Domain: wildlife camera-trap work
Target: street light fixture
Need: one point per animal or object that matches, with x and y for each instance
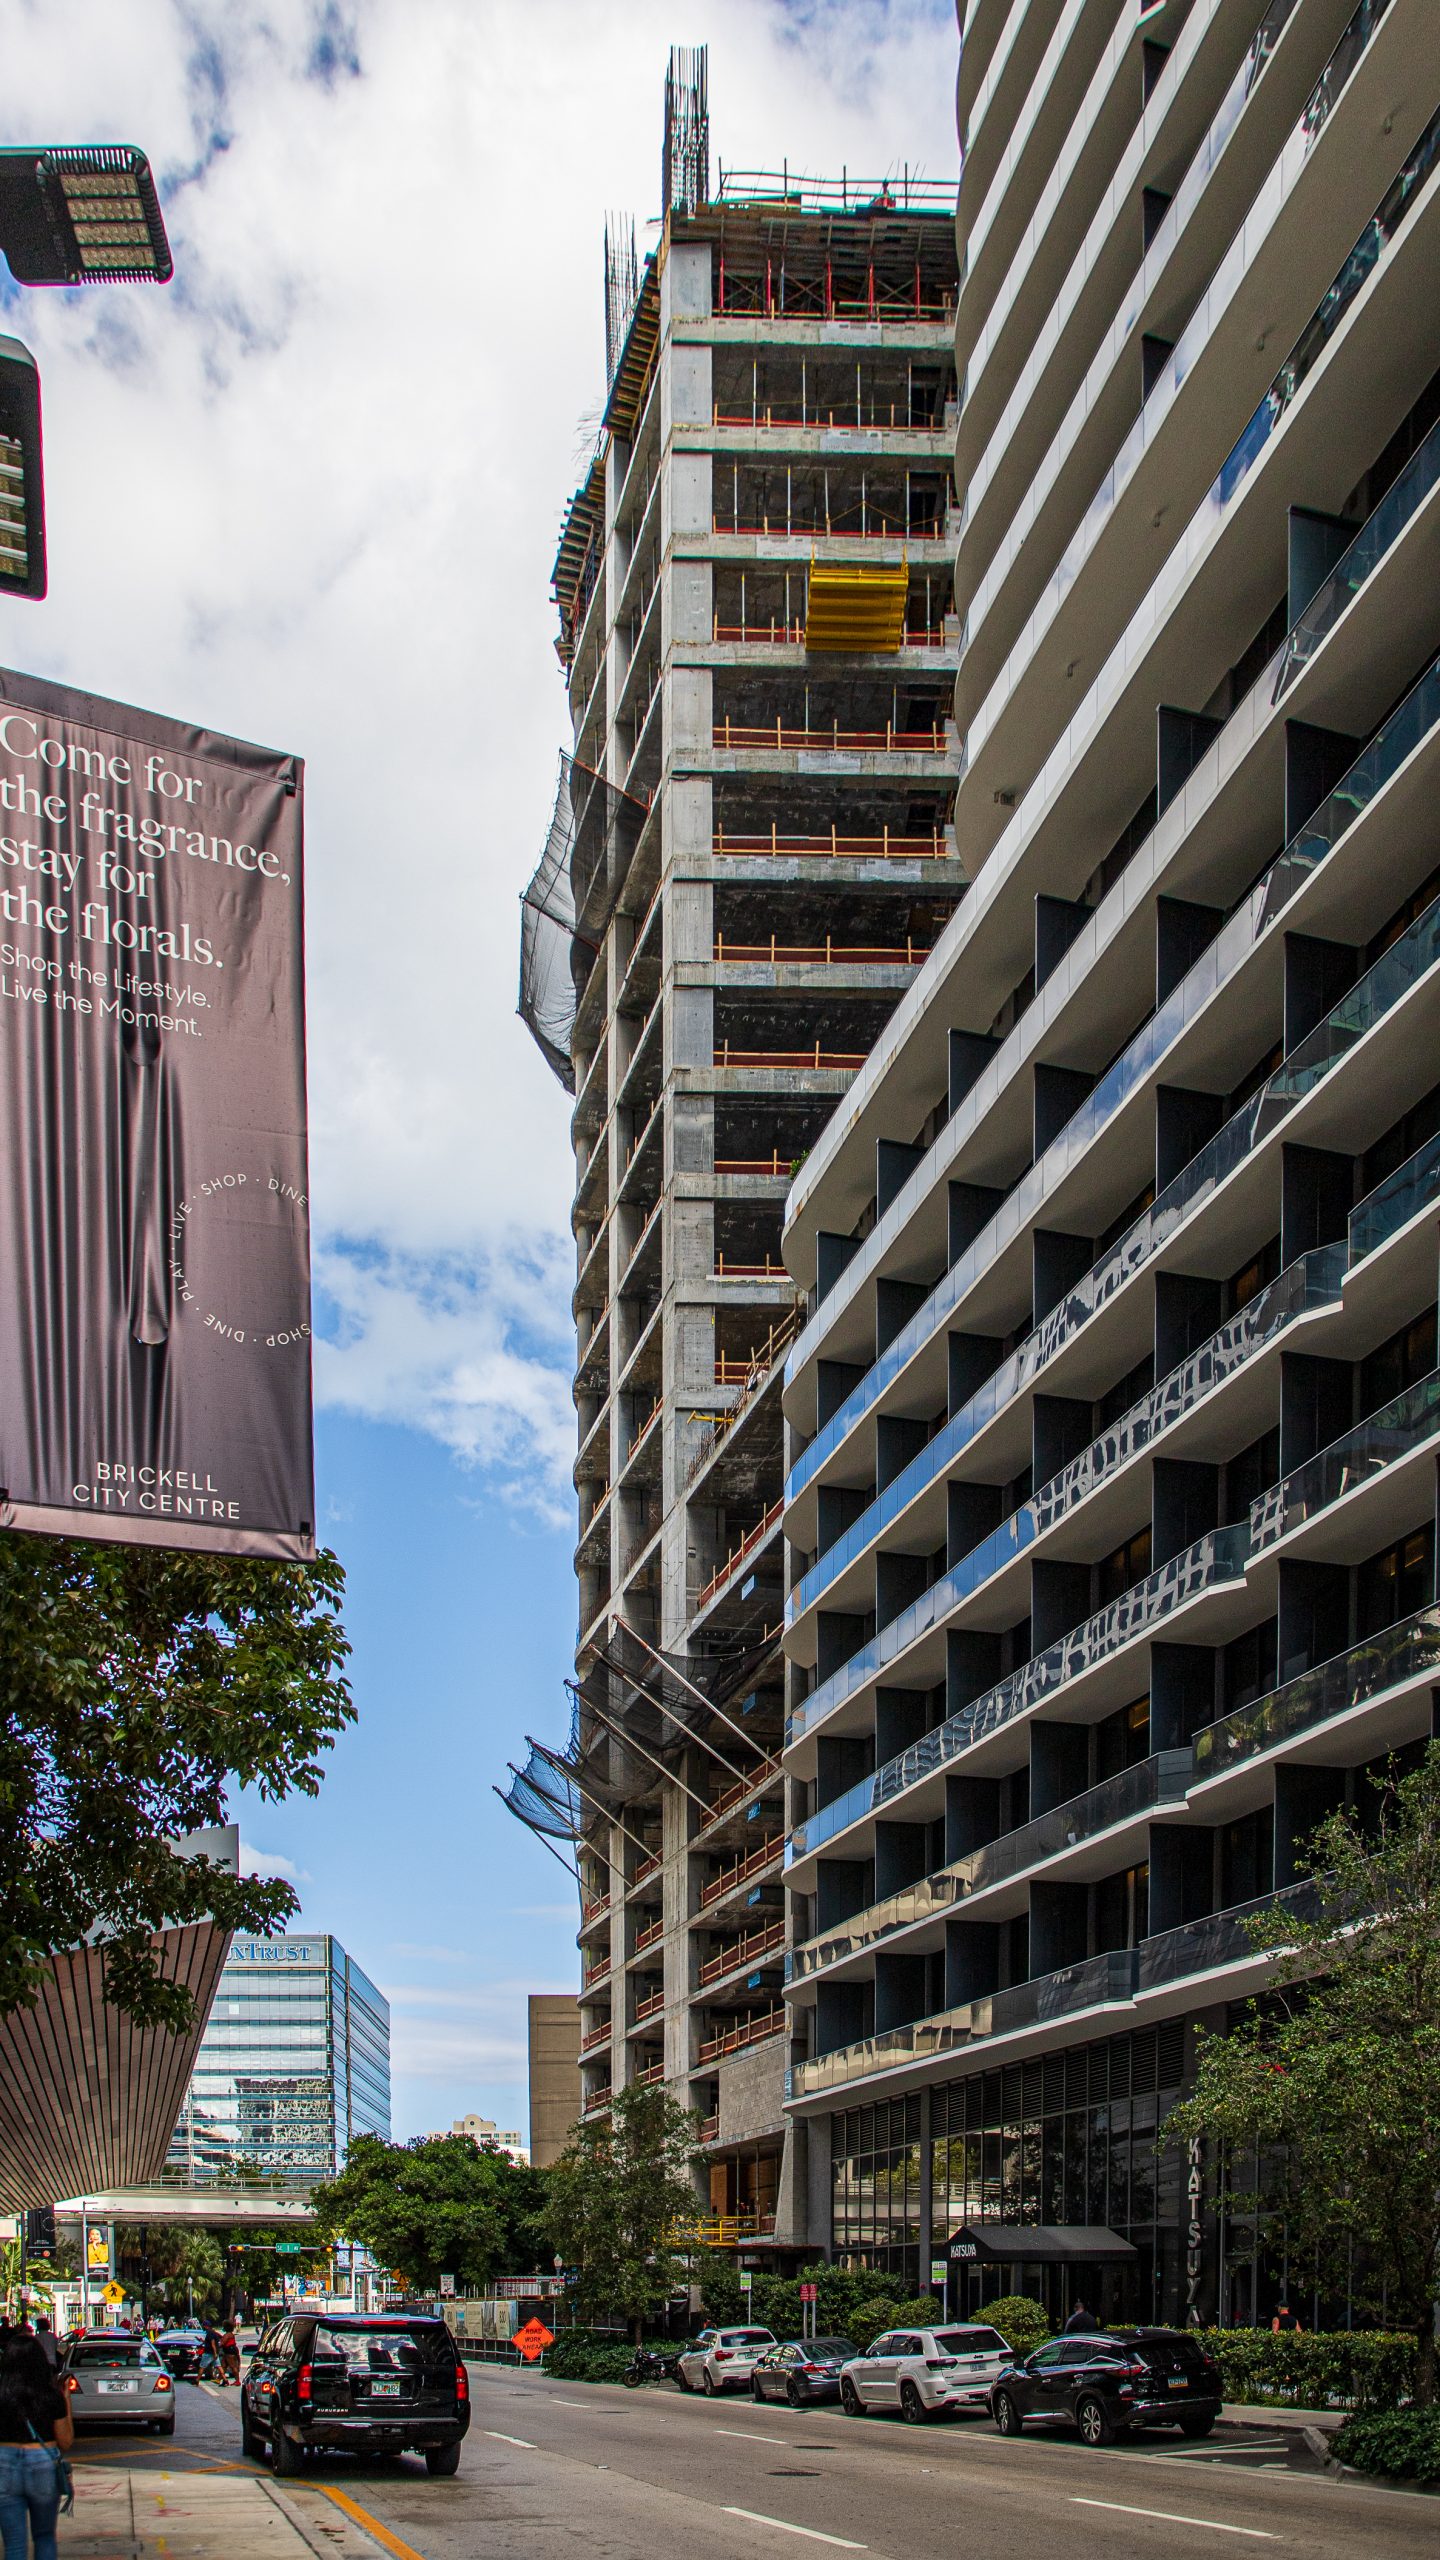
(22, 485)
(82, 213)
(76, 213)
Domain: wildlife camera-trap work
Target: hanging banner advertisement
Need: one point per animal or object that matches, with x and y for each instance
(154, 1218)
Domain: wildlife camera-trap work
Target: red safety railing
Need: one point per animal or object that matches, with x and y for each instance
(728, 733)
(753, 2031)
(751, 1540)
(740, 1870)
(725, 1056)
(746, 1950)
(889, 845)
(821, 955)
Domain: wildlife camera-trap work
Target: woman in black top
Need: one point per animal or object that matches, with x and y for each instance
(35, 2426)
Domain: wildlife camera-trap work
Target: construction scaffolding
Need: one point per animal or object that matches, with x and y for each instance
(593, 833)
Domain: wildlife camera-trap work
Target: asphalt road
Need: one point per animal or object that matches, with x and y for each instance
(601, 2473)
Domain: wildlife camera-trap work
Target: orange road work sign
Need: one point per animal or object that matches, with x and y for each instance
(533, 2339)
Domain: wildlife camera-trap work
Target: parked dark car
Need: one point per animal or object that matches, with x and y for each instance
(800, 2370)
(355, 2384)
(118, 2380)
(1106, 2385)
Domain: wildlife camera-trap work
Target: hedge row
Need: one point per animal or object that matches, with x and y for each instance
(581, 2356)
(1402, 2445)
(1324, 2368)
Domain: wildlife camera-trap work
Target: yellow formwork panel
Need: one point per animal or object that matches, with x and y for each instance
(853, 607)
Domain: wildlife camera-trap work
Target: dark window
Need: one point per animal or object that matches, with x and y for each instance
(1397, 1582)
(1400, 1141)
(1249, 1666)
(1122, 1912)
(1126, 1391)
(1252, 1276)
(1123, 1739)
(1409, 1354)
(1128, 1565)
(1250, 1473)
(1247, 1858)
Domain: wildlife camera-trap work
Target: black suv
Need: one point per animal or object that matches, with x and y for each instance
(356, 2384)
(1105, 2385)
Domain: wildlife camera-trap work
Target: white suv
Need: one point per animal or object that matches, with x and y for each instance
(925, 2373)
(721, 2357)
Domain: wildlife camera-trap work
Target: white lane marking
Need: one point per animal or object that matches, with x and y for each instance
(747, 2435)
(1223, 2452)
(523, 2441)
(778, 2524)
(553, 2403)
(1162, 2515)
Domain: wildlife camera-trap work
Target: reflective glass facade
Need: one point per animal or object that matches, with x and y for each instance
(294, 2063)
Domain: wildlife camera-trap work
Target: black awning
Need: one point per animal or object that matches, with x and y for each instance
(1039, 2244)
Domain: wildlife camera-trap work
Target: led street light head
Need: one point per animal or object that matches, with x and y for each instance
(82, 213)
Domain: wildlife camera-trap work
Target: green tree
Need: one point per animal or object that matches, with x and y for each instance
(620, 2200)
(186, 2267)
(1333, 2078)
(448, 2206)
(134, 1685)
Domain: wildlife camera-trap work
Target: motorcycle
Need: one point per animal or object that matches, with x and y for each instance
(649, 2364)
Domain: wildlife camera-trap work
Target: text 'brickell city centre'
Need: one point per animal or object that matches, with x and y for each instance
(1007, 1125)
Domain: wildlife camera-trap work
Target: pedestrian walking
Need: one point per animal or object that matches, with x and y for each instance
(1080, 2323)
(229, 2355)
(1285, 2322)
(36, 2433)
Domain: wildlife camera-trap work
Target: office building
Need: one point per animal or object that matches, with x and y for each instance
(751, 856)
(295, 2061)
(484, 2131)
(554, 2039)
(1110, 1504)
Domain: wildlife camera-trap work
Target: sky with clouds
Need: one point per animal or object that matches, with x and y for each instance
(309, 493)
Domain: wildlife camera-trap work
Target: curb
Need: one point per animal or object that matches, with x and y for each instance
(331, 2542)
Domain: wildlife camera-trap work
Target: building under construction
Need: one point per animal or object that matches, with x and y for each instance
(751, 855)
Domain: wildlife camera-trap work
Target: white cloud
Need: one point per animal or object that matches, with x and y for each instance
(268, 1862)
(310, 493)
(473, 2037)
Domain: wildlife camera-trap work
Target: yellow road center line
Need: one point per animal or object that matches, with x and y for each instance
(372, 2524)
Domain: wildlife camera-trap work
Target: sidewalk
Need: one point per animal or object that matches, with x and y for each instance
(202, 2515)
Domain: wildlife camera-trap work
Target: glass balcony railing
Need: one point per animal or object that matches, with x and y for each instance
(1196, 337)
(1079, 1987)
(1217, 1558)
(1379, 231)
(1200, 1948)
(1412, 1191)
(1312, 1281)
(1160, 1780)
(1221, 1939)
(1401, 502)
(1408, 727)
(1398, 1430)
(1407, 1651)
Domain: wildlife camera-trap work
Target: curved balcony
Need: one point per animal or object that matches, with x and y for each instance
(1401, 1656)
(1105, 1982)
(1410, 727)
(1314, 1281)
(1130, 1795)
(1212, 1562)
